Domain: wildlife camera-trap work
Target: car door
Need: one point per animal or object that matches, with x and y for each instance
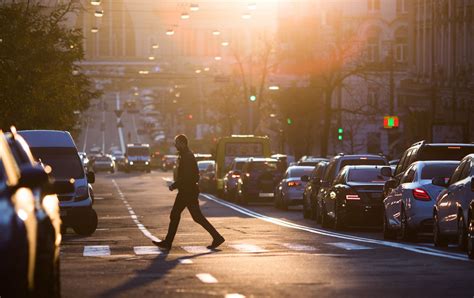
(282, 185)
(333, 193)
(326, 185)
(393, 202)
(463, 196)
(447, 204)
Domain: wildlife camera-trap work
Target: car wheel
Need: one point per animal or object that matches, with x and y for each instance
(276, 201)
(45, 260)
(438, 239)
(407, 234)
(339, 220)
(86, 224)
(470, 240)
(112, 171)
(306, 210)
(388, 234)
(317, 213)
(462, 233)
(325, 223)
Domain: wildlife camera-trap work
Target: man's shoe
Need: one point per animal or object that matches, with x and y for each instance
(162, 244)
(216, 242)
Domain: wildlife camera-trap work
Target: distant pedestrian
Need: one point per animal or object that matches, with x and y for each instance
(187, 197)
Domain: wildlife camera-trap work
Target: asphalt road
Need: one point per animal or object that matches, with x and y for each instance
(267, 252)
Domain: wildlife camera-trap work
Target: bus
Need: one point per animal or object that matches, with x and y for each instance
(234, 146)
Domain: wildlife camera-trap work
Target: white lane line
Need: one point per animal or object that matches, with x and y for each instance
(85, 136)
(206, 278)
(196, 249)
(408, 247)
(299, 247)
(234, 295)
(349, 246)
(185, 261)
(99, 198)
(120, 129)
(103, 132)
(96, 251)
(250, 248)
(146, 250)
(140, 226)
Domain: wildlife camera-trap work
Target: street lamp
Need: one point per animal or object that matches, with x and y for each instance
(95, 2)
(143, 72)
(225, 43)
(184, 16)
(194, 7)
(206, 69)
(197, 71)
(151, 58)
(99, 13)
(94, 29)
(274, 87)
(216, 33)
(155, 46)
(170, 32)
(218, 58)
(252, 6)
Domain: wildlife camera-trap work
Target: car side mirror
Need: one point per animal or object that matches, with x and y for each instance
(33, 176)
(386, 172)
(390, 184)
(439, 181)
(90, 177)
(305, 178)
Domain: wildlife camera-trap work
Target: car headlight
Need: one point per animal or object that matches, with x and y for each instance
(130, 163)
(146, 162)
(82, 193)
(111, 164)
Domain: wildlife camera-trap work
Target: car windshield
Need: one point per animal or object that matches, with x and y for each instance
(103, 158)
(299, 172)
(366, 175)
(203, 165)
(138, 151)
(239, 165)
(445, 152)
(262, 166)
(64, 162)
(437, 170)
(368, 161)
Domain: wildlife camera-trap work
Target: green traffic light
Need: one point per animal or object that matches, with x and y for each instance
(289, 121)
(339, 138)
(340, 130)
(253, 97)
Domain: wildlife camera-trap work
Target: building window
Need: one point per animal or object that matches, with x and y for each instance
(402, 6)
(372, 97)
(373, 5)
(401, 45)
(373, 45)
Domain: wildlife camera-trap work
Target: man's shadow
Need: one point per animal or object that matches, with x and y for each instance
(157, 270)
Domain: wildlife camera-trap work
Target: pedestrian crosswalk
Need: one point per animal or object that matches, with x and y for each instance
(238, 248)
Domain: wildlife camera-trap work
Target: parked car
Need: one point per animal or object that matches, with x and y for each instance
(232, 177)
(354, 198)
(335, 165)
(85, 160)
(312, 188)
(451, 213)
(408, 208)
(289, 191)
(58, 150)
(311, 161)
(104, 163)
(119, 160)
(207, 175)
(258, 179)
(168, 162)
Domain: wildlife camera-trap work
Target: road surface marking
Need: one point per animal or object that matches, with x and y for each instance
(196, 249)
(133, 216)
(234, 295)
(146, 250)
(349, 246)
(99, 198)
(408, 247)
(96, 251)
(103, 132)
(299, 247)
(206, 278)
(120, 129)
(85, 136)
(248, 248)
(185, 261)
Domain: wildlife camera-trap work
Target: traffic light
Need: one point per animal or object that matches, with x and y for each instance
(390, 121)
(289, 121)
(340, 133)
(253, 94)
(190, 116)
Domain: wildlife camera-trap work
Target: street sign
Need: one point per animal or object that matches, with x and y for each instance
(390, 121)
(118, 113)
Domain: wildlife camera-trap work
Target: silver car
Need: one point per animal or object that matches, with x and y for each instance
(290, 190)
(408, 208)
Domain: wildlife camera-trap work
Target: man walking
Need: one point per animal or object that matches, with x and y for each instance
(188, 193)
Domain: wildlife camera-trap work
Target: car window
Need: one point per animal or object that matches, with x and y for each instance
(457, 173)
(65, 162)
(299, 172)
(330, 172)
(366, 175)
(437, 170)
(400, 164)
(360, 161)
(466, 170)
(408, 176)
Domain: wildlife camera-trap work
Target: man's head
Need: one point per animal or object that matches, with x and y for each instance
(181, 142)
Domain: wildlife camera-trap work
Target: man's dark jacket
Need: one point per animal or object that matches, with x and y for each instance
(188, 173)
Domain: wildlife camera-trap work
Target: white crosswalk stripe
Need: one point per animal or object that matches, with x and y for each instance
(146, 250)
(196, 249)
(349, 246)
(96, 251)
(206, 278)
(299, 247)
(251, 248)
(185, 261)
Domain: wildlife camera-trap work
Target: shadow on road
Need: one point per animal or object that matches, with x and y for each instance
(156, 271)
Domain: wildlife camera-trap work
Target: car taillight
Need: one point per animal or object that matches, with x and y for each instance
(421, 194)
(293, 183)
(352, 197)
(235, 176)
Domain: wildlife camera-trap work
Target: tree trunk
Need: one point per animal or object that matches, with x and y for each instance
(325, 132)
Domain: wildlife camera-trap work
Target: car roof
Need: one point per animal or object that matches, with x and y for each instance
(241, 159)
(47, 138)
(358, 156)
(300, 167)
(137, 145)
(364, 167)
(436, 162)
(261, 159)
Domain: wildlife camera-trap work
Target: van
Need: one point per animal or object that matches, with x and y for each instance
(58, 150)
(138, 157)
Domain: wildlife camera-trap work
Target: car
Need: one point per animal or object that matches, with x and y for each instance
(258, 180)
(207, 175)
(232, 176)
(452, 210)
(168, 162)
(408, 208)
(119, 158)
(95, 150)
(354, 198)
(138, 157)
(310, 161)
(286, 159)
(335, 165)
(104, 163)
(312, 188)
(202, 156)
(289, 191)
(58, 150)
(85, 160)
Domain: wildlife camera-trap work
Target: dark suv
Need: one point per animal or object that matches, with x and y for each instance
(335, 165)
(258, 179)
(312, 189)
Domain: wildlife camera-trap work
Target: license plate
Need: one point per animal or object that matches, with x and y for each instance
(62, 213)
(266, 195)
